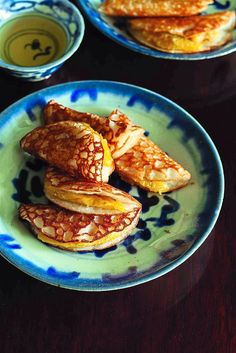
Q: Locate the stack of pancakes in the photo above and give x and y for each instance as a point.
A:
(82, 150)
(174, 26)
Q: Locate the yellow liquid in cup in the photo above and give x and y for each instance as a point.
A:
(32, 40)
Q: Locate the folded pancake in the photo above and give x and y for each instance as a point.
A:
(144, 8)
(120, 133)
(73, 147)
(86, 197)
(147, 166)
(184, 34)
(75, 231)
(54, 112)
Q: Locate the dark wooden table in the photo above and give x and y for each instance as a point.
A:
(192, 309)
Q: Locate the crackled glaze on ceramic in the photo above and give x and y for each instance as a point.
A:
(171, 227)
(116, 31)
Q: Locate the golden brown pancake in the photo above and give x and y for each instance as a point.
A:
(74, 231)
(54, 112)
(147, 166)
(73, 147)
(184, 34)
(86, 197)
(149, 8)
(120, 133)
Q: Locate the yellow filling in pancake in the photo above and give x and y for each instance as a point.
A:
(108, 160)
(105, 202)
(170, 41)
(155, 186)
(107, 154)
(78, 244)
(178, 43)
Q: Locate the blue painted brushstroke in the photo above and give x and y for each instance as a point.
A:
(128, 244)
(13, 246)
(178, 242)
(163, 220)
(26, 5)
(221, 6)
(21, 195)
(101, 253)
(1, 145)
(31, 114)
(36, 165)
(141, 224)
(146, 200)
(189, 132)
(143, 234)
(134, 99)
(78, 93)
(7, 240)
(107, 279)
(31, 106)
(131, 272)
(98, 253)
(118, 183)
(51, 271)
(36, 187)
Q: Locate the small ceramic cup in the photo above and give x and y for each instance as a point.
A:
(38, 36)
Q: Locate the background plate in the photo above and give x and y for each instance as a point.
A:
(171, 227)
(113, 30)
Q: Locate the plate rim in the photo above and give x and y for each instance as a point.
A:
(175, 263)
(141, 49)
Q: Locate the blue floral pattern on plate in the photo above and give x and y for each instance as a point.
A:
(171, 227)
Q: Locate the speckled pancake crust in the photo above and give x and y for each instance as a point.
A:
(154, 8)
(149, 167)
(184, 34)
(120, 133)
(72, 147)
(75, 231)
(86, 197)
(54, 112)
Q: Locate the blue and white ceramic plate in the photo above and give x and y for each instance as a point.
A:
(111, 28)
(172, 226)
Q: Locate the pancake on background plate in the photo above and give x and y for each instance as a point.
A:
(149, 8)
(73, 147)
(86, 197)
(184, 34)
(120, 133)
(76, 231)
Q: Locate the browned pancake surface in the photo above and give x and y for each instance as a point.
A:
(184, 34)
(86, 197)
(120, 133)
(68, 145)
(74, 231)
(151, 168)
(154, 8)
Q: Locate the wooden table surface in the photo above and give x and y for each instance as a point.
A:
(192, 309)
